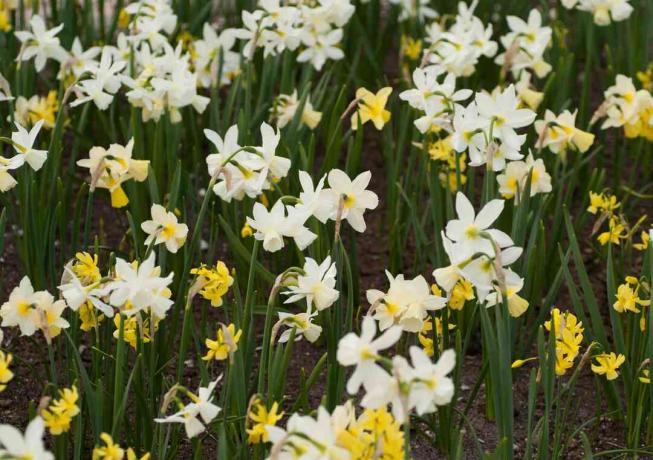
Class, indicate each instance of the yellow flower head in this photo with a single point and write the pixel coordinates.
(411, 47)
(215, 282)
(61, 411)
(86, 268)
(226, 343)
(262, 417)
(616, 232)
(643, 246)
(607, 364)
(371, 107)
(246, 231)
(131, 330)
(628, 296)
(110, 450)
(5, 374)
(568, 333)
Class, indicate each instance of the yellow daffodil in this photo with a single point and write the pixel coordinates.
(371, 107)
(59, 414)
(226, 343)
(261, 418)
(608, 364)
(215, 282)
(110, 450)
(568, 332)
(5, 373)
(628, 298)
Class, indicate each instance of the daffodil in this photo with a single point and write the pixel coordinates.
(371, 107)
(5, 373)
(215, 282)
(261, 418)
(225, 344)
(608, 365)
(164, 228)
(109, 451)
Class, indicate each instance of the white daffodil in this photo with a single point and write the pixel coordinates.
(139, 287)
(76, 294)
(558, 133)
(314, 198)
(164, 228)
(363, 351)
(41, 44)
(472, 232)
(201, 407)
(269, 225)
(316, 285)
(23, 142)
(355, 198)
(13, 444)
(303, 325)
(315, 438)
(406, 303)
(430, 385)
(267, 163)
(21, 309)
(320, 48)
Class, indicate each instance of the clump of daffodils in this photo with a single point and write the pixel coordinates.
(314, 30)
(33, 311)
(407, 303)
(627, 107)
(559, 133)
(60, 412)
(421, 385)
(344, 200)
(568, 333)
(213, 282)
(340, 434)
(30, 111)
(111, 168)
(603, 11)
(458, 47)
(525, 45)
(240, 171)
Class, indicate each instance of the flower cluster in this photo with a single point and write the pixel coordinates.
(111, 168)
(422, 386)
(568, 333)
(315, 30)
(603, 11)
(60, 412)
(344, 200)
(340, 435)
(627, 107)
(525, 45)
(459, 47)
(480, 254)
